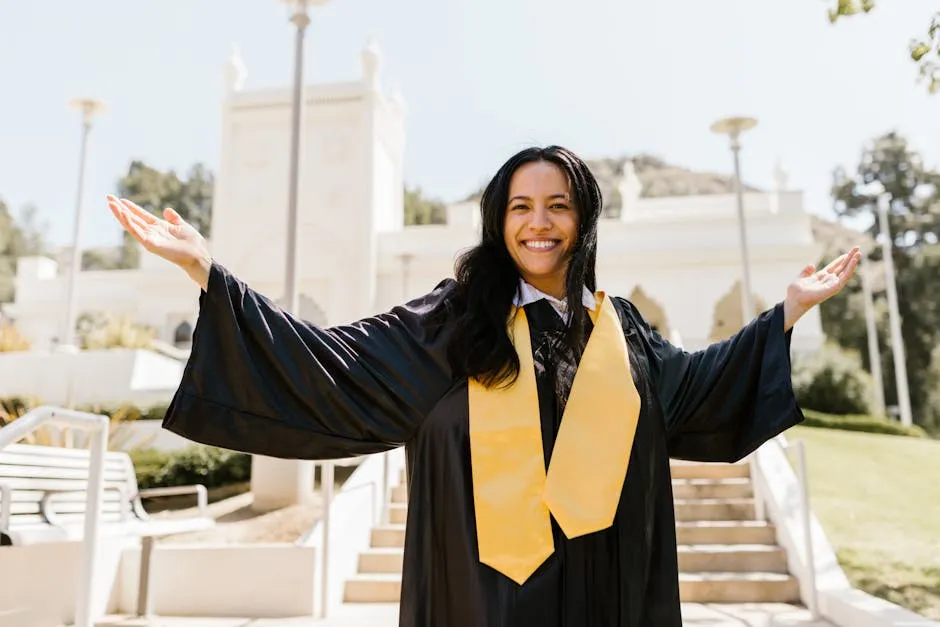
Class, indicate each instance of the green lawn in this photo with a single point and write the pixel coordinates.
(878, 497)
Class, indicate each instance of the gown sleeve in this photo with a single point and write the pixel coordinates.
(721, 403)
(261, 381)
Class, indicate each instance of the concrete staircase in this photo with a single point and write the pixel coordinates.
(725, 554)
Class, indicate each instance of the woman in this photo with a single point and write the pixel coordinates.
(516, 515)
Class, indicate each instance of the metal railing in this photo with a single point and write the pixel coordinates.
(805, 512)
(97, 428)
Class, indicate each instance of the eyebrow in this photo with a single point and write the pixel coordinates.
(552, 197)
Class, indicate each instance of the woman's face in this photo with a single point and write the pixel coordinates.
(541, 225)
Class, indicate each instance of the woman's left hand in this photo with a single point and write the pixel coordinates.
(813, 287)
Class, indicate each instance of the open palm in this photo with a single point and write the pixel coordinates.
(171, 238)
(813, 287)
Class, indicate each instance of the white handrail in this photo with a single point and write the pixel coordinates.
(97, 426)
(805, 513)
(328, 485)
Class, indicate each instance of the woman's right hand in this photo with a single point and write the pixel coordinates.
(172, 239)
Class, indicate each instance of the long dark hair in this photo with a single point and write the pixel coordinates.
(488, 277)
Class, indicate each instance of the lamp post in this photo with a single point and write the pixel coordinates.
(88, 108)
(300, 19)
(277, 483)
(733, 127)
(894, 314)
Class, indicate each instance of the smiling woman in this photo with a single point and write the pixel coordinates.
(538, 413)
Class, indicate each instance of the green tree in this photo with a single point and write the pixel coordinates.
(422, 210)
(924, 49)
(914, 221)
(154, 190)
(17, 238)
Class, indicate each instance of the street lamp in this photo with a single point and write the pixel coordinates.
(733, 127)
(894, 317)
(89, 108)
(275, 482)
(301, 20)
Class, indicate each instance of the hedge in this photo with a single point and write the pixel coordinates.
(863, 423)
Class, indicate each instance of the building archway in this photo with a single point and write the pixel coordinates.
(652, 312)
(727, 316)
(183, 334)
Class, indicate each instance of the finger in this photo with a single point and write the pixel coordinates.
(834, 263)
(850, 257)
(120, 213)
(808, 270)
(138, 221)
(136, 231)
(849, 268)
(135, 209)
(172, 217)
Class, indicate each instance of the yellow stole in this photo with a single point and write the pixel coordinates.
(513, 494)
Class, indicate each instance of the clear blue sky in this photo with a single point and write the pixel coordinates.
(481, 78)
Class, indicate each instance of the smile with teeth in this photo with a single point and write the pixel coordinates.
(541, 244)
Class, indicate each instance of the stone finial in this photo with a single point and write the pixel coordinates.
(235, 71)
(781, 178)
(630, 187)
(397, 99)
(371, 63)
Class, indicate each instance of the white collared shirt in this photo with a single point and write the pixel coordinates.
(527, 294)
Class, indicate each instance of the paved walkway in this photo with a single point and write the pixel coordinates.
(382, 615)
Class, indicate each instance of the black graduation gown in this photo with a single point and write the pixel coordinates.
(261, 381)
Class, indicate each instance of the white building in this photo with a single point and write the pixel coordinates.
(677, 258)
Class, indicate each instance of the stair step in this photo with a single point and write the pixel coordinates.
(388, 536)
(692, 559)
(373, 588)
(755, 587)
(399, 494)
(732, 558)
(714, 509)
(732, 488)
(397, 513)
(687, 532)
(381, 560)
(696, 470)
(687, 488)
(725, 532)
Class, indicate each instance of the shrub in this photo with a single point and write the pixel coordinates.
(11, 340)
(102, 330)
(832, 380)
(196, 464)
(867, 424)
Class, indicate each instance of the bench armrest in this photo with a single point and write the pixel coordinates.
(202, 495)
(6, 506)
(45, 504)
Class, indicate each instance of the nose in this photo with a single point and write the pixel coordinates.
(540, 219)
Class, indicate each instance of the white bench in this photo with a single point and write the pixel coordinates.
(43, 491)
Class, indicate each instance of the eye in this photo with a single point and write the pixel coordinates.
(559, 206)
(519, 207)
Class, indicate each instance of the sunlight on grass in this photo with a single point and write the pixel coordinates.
(878, 497)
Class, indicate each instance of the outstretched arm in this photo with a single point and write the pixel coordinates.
(724, 401)
(262, 381)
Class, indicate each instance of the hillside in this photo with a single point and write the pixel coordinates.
(658, 178)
